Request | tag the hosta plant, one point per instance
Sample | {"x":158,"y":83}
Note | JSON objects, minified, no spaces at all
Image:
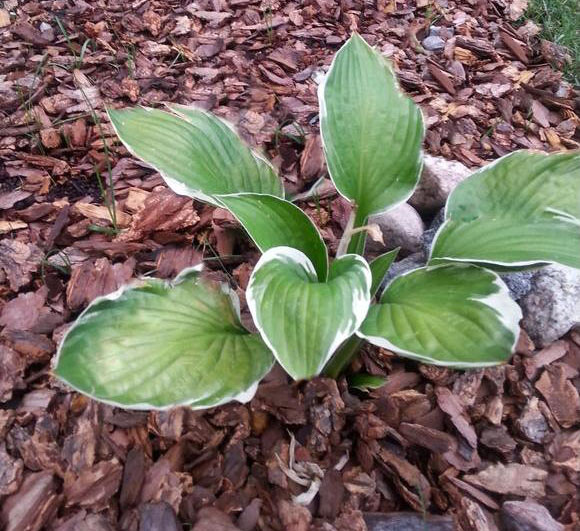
{"x":156,"y":344}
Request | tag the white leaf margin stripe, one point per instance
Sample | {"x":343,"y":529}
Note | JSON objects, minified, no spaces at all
{"x":563,"y":216}
{"x":323,"y":113}
{"x":291,"y":255}
{"x":242,"y":397}
{"x":510,"y":317}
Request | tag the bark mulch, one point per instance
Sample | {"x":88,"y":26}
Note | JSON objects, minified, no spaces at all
{"x":432,"y":449}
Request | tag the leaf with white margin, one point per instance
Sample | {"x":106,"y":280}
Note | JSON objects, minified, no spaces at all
{"x":302,"y":320}
{"x":273,"y":222}
{"x":520,"y":211}
{"x":197,"y":154}
{"x":456,"y":315}
{"x":371,"y":131}
{"x":160,"y":344}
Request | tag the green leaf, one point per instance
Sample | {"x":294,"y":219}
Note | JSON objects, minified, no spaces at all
{"x":371,"y":132}
{"x":302,"y":320}
{"x":197,"y":154}
{"x":273,"y":222}
{"x":162,"y":344}
{"x":379,"y":268}
{"x":520,"y":211}
{"x":365,"y":382}
{"x":456,"y":315}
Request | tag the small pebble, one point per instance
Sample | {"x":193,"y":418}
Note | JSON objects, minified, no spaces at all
{"x":433,"y":43}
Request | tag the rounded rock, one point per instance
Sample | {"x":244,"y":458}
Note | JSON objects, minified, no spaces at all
{"x":401,"y":227}
{"x":433,"y":43}
{"x":552,"y":306}
{"x":438,"y":179}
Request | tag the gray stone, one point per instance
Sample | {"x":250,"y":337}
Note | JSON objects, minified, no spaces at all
{"x":519,"y":283}
{"x":434,"y":31}
{"x":407,"y":521}
{"x":429,"y":234}
{"x":433,"y":43}
{"x":528,"y":516}
{"x":438,"y":179}
{"x":552,"y":306}
{"x":401,"y":227}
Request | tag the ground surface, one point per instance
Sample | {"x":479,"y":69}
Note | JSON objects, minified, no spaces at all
{"x":458,"y":446}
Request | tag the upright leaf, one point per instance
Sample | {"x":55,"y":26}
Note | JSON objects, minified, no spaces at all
{"x":196,"y":153}
{"x":379,"y":268}
{"x":161,"y":344}
{"x":303,"y":320}
{"x":371,"y":132}
{"x":522,"y":210}
{"x":456,"y":315}
{"x":272,"y":222}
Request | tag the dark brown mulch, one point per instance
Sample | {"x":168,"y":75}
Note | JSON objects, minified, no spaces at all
{"x":433,"y":448}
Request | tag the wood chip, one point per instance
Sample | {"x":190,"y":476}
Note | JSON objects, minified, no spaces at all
{"x":102,"y":213}
{"x":9,"y":226}
{"x":19,"y":261}
{"x":515,"y":46}
{"x":450,"y":404}
{"x":513,"y":478}
{"x":560,"y":394}
{"x":92,"y":279}
{"x":33,"y":505}
{"x":4,"y":18}
{"x":161,"y":211}
{"x":331,"y":495}
{"x":528,"y":515}
{"x":9,"y":199}
{"x":410,"y":482}
{"x":434,"y":440}
{"x":155,"y":516}
{"x":94,"y":488}
{"x":548,"y":355}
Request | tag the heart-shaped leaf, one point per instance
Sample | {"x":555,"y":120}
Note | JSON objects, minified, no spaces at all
{"x":161,"y":344}
{"x":303,"y":320}
{"x":273,"y":222}
{"x":196,"y":153}
{"x":520,"y":211}
{"x":371,"y":132}
{"x":456,"y":315}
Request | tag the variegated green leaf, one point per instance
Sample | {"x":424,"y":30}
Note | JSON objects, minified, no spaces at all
{"x":456,"y":315}
{"x":302,"y":320}
{"x":197,"y":154}
{"x":520,"y":211}
{"x":272,"y":222}
{"x":160,"y":344}
{"x":371,"y":132}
